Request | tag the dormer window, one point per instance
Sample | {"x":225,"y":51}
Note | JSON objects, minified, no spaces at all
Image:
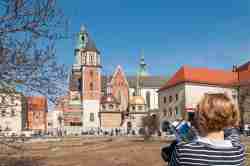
{"x":111,"y":106}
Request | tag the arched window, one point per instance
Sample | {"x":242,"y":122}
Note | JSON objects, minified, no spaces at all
{"x":111,"y":106}
{"x":91,"y":58}
{"x":79,"y":84}
{"x":83,"y":59}
{"x":91,"y":73}
{"x":91,"y":86}
{"x":148,"y":99}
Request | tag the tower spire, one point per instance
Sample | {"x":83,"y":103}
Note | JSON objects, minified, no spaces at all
{"x":142,"y":66}
{"x":83,"y":29}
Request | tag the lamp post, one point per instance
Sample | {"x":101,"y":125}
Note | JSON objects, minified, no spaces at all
{"x":239,"y":97}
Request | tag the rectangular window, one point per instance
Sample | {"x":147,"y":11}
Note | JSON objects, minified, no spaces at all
{"x":83,"y":59}
{"x":234,"y":97}
{"x":133,"y":107}
{"x":170,"y":99}
{"x":164,"y":100}
{"x":75,"y":123}
{"x":92,"y":117}
{"x":176,"y":111}
{"x":3,"y":113}
{"x":3,"y":100}
{"x":140,"y":107}
{"x":170,"y":112}
{"x":12,"y":100}
{"x":13,"y":113}
{"x":164,"y":112}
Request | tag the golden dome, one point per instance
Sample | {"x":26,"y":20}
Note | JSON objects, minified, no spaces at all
{"x":137,"y":100}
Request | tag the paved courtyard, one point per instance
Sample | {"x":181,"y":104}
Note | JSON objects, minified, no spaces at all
{"x":91,"y":152}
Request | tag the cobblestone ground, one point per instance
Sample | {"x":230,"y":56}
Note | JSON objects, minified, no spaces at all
{"x":94,"y":152}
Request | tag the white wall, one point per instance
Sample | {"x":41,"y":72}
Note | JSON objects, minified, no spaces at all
{"x":14,"y":123}
{"x":195,"y":92}
{"x":91,"y":106}
{"x":52,"y":118}
{"x":179,"y":104}
{"x":188,"y":97}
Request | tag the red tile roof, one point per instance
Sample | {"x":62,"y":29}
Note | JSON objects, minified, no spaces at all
{"x":202,"y":76}
{"x":244,"y":77}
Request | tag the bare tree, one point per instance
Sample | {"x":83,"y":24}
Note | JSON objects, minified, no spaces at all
{"x":150,"y":125}
{"x":28,"y":31}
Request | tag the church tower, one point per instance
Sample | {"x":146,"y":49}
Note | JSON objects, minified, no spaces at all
{"x":88,"y":59}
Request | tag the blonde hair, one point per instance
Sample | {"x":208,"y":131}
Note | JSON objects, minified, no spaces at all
{"x":214,"y":113}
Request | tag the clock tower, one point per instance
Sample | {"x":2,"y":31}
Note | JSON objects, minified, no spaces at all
{"x":88,"y":60}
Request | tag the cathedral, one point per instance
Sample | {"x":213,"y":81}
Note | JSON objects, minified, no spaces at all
{"x":96,"y":102}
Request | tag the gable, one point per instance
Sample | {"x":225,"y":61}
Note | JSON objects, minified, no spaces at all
{"x":119,"y":77}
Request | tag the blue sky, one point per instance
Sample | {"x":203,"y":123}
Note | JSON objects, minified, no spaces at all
{"x":214,"y":33}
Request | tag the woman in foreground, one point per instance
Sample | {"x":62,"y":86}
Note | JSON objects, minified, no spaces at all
{"x":215,"y":113}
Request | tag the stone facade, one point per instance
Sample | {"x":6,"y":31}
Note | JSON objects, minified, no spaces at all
{"x":37,"y":114}
{"x":12,"y":114}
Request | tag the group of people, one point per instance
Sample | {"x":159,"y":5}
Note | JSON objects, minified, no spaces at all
{"x":217,"y":140}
